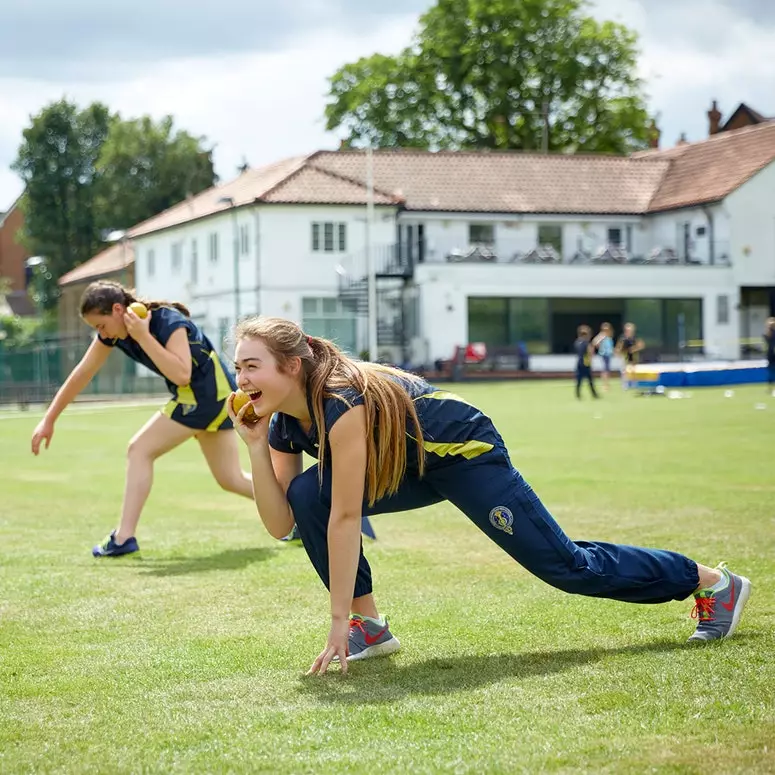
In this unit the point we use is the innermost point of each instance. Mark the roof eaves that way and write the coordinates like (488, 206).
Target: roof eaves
(685, 205)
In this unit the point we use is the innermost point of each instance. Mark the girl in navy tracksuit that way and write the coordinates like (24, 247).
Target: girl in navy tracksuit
(387, 441)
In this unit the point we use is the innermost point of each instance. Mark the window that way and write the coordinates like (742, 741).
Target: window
(615, 237)
(503, 322)
(194, 262)
(214, 248)
(550, 234)
(328, 318)
(683, 323)
(342, 237)
(329, 237)
(722, 310)
(481, 233)
(244, 240)
(700, 231)
(177, 256)
(151, 263)
(647, 316)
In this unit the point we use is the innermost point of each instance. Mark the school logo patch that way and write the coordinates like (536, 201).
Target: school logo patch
(503, 519)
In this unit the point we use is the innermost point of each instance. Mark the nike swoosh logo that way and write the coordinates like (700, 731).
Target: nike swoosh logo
(731, 604)
(372, 639)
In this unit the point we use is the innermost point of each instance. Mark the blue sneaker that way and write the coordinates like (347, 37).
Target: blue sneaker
(369, 639)
(109, 548)
(718, 612)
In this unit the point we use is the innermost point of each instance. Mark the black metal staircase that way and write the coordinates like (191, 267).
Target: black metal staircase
(391, 263)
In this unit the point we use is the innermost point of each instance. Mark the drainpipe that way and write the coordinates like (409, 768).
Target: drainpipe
(711, 235)
(257, 244)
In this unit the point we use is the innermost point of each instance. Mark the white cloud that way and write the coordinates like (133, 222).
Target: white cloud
(264, 106)
(267, 101)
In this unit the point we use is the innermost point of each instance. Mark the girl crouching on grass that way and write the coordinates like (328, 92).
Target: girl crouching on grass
(386, 441)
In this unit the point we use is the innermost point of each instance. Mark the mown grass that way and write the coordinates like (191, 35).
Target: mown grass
(190, 658)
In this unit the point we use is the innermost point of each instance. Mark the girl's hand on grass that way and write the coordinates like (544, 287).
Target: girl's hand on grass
(335, 647)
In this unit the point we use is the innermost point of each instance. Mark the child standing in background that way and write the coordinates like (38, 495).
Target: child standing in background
(583, 349)
(604, 345)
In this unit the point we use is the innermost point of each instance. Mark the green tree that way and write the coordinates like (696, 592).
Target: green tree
(57, 162)
(146, 167)
(88, 171)
(491, 74)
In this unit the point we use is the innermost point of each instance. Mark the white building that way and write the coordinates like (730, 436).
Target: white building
(484, 246)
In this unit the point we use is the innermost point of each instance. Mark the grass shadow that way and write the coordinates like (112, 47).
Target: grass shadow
(385, 680)
(231, 559)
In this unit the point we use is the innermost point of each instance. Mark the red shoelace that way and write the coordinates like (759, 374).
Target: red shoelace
(704, 609)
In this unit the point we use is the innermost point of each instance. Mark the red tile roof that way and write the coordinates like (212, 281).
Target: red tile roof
(505, 182)
(114, 259)
(497, 182)
(710, 170)
(245, 189)
(313, 185)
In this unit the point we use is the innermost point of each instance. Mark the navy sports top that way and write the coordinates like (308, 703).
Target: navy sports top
(451, 427)
(210, 380)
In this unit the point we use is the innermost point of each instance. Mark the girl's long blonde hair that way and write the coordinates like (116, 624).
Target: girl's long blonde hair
(325, 370)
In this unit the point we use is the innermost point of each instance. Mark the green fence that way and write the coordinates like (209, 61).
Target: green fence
(33, 372)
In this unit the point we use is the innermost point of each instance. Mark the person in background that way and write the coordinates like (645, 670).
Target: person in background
(604, 346)
(769, 342)
(523, 356)
(629, 348)
(584, 350)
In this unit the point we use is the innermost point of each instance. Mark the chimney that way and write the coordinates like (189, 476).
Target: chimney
(682, 139)
(654, 134)
(714, 119)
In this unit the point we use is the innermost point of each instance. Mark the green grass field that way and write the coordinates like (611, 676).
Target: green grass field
(190, 657)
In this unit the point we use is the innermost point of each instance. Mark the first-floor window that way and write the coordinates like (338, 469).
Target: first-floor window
(328, 318)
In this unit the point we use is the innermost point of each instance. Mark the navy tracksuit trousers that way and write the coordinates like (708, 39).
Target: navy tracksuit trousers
(495, 497)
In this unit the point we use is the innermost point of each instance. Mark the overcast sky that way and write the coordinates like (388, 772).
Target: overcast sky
(250, 75)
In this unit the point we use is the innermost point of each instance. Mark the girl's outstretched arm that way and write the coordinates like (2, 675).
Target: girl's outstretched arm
(93, 360)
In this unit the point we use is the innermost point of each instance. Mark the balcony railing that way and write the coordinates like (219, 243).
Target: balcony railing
(716, 254)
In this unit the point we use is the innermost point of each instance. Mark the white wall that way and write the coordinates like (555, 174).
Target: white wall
(279, 269)
(211, 297)
(666, 230)
(445, 291)
(752, 217)
(288, 263)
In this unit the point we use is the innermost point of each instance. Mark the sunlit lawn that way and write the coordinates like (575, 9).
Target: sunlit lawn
(190, 658)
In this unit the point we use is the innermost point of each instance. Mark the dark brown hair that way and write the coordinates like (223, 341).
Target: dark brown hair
(326, 369)
(101, 295)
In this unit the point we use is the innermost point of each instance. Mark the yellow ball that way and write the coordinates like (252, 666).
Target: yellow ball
(139, 309)
(240, 399)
